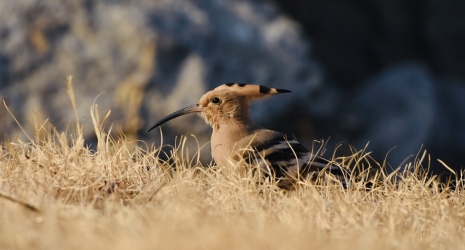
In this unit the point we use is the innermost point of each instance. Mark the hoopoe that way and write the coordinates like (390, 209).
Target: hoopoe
(226, 109)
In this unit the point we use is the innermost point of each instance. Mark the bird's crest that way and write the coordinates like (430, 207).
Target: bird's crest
(251, 91)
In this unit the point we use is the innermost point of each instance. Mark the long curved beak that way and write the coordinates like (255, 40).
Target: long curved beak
(189, 109)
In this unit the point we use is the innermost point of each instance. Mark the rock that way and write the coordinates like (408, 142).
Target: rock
(144, 60)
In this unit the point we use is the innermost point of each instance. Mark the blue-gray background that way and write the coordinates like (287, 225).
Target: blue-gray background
(390, 73)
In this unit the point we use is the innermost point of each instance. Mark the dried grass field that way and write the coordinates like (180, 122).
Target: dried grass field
(58, 194)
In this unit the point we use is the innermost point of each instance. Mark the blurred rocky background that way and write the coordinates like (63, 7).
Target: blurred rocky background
(390, 73)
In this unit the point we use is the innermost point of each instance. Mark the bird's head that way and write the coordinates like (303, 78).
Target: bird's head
(224, 103)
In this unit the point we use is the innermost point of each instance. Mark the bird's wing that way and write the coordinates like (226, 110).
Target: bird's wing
(286, 159)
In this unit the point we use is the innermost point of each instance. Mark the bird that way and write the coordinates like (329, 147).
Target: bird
(236, 136)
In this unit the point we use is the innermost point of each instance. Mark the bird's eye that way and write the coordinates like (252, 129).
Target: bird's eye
(216, 100)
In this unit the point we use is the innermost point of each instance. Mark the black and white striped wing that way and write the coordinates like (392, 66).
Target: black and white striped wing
(288, 160)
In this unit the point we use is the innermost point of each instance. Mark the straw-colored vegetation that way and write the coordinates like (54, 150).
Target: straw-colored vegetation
(58, 194)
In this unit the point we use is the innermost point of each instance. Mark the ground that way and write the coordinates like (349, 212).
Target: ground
(57, 193)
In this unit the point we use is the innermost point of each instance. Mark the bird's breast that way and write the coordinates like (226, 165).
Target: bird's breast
(221, 146)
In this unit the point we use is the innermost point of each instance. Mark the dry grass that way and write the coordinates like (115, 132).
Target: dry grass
(58, 194)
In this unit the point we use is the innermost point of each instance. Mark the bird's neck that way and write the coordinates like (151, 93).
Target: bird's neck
(226, 134)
